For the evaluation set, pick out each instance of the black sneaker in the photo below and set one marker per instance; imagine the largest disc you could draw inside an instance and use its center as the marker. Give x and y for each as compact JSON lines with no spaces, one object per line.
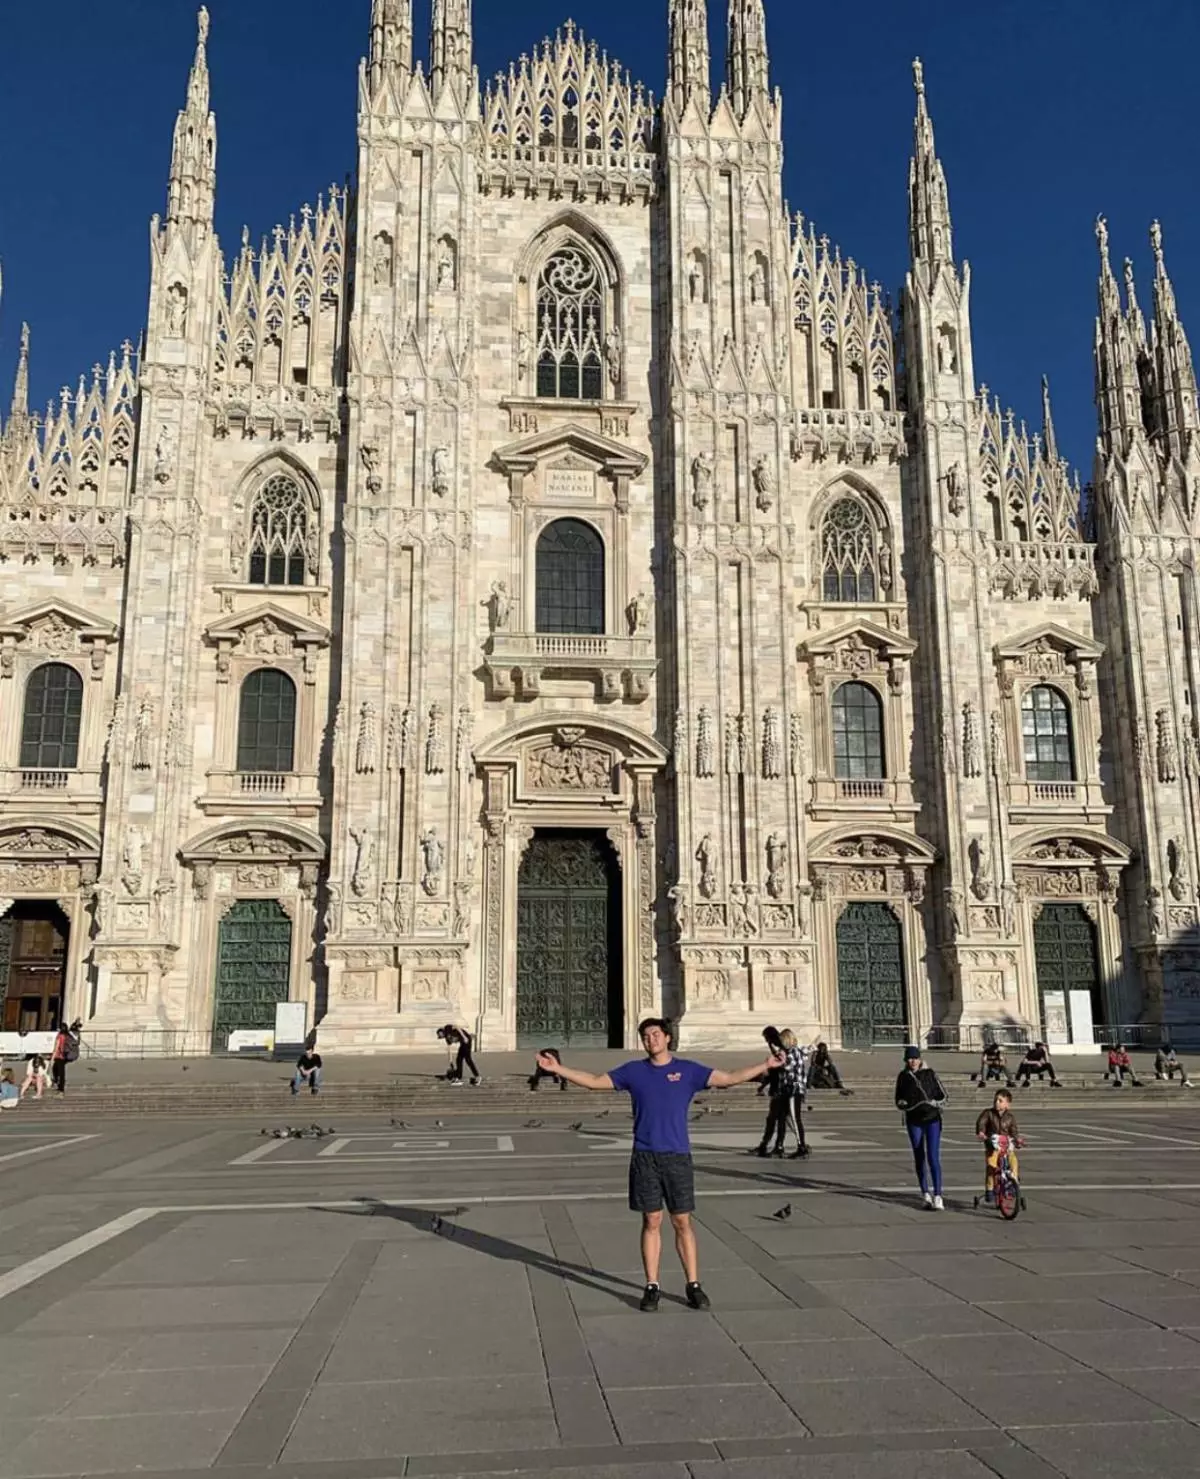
{"x":650,"y":1298}
{"x":762,"y":1151}
{"x":696,"y":1297}
{"x":799,"y":1154}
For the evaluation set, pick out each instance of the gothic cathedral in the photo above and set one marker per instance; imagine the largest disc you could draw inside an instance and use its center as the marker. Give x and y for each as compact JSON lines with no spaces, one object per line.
{"x":544,"y":585}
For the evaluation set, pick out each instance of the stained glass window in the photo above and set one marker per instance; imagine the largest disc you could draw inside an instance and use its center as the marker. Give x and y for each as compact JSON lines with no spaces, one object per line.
{"x":850,"y":553}
{"x":279,"y":533}
{"x":570,"y":328}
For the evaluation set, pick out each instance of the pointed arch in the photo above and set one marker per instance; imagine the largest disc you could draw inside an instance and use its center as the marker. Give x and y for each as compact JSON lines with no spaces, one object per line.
{"x":277,"y":524}
{"x":852,"y":543}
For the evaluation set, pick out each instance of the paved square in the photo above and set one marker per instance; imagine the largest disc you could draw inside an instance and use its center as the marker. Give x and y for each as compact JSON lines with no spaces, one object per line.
{"x":175,"y":1299}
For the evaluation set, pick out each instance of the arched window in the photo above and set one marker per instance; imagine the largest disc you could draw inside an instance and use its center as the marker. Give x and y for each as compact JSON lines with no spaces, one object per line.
{"x":1046,"y":732}
{"x":857,"y":733}
{"x":570,"y":578}
{"x":850,"y":554}
{"x":279,"y":533}
{"x":570,"y":327}
{"x":267,"y":722}
{"x":50,"y":728}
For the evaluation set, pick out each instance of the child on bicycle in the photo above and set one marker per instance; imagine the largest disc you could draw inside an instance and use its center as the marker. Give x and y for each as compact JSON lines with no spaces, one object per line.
{"x":999,"y":1120}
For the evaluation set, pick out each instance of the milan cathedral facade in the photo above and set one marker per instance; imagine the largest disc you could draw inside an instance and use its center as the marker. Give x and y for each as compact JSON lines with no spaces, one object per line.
{"x":544,"y":585}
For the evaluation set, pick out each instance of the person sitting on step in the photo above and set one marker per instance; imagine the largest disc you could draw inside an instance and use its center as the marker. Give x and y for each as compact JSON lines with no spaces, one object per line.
{"x":1037,"y":1060}
{"x":1167,"y":1065}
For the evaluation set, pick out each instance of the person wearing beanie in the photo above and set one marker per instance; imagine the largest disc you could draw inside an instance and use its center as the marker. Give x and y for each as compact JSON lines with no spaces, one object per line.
{"x":920,"y":1098}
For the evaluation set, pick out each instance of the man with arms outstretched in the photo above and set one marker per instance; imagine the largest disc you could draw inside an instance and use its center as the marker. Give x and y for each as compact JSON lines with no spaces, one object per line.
{"x":662,"y":1087}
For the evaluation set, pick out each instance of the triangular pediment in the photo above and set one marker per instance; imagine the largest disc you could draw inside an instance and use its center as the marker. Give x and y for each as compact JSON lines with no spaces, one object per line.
{"x":552,"y":446}
{"x":56,"y":613}
{"x":265,"y":619}
{"x":1051,"y":633}
{"x":864,"y":633}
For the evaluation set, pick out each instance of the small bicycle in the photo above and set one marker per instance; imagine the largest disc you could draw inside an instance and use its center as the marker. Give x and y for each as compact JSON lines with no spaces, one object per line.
{"x":1005,"y":1187}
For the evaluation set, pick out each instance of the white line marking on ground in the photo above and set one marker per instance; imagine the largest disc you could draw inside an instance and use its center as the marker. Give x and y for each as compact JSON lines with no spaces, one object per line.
{"x":1131,"y":1137}
{"x":259,"y":1153}
{"x":47,"y":1263}
{"x":16,"y":1155}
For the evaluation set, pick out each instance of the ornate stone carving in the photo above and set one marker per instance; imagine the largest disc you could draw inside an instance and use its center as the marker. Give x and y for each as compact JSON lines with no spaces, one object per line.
{"x":702,"y":480}
{"x":712,"y":988}
{"x":772,"y":745}
{"x":367,"y":749}
{"x":678,"y":900}
{"x":435,"y":741}
{"x":464,"y":735}
{"x":764,"y":485}
{"x":706,"y":857}
{"x":397,"y":738}
{"x":1155,"y":912}
{"x":440,"y":472}
{"x":1164,"y":747}
{"x":132,"y":858}
{"x":499,"y":607}
{"x":777,"y":857}
{"x":1179,"y":886}
{"x":999,"y":748}
{"x":981,"y":869}
{"x":638,"y":614}
{"x":142,"y":757}
{"x":372,"y":461}
{"x":742,"y":909}
{"x":956,"y":500}
{"x":433,"y":861}
{"x":362,"y":875}
{"x":954,"y":912}
{"x":797,"y":747}
{"x":972,"y":748}
{"x":567,"y":764}
{"x":706,"y":744}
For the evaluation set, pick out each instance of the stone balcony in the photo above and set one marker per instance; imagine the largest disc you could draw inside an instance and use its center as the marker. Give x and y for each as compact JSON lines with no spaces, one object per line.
{"x":21,"y":789}
{"x":519,"y":662}
{"x":831,"y":798}
{"x":850,"y":435}
{"x":1040,"y":801}
{"x":291,"y":793}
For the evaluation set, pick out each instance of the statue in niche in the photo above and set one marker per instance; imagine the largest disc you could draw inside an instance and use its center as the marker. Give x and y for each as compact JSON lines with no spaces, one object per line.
{"x":164,"y":453}
{"x":758,"y":282}
{"x":364,"y":860}
{"x":702,"y":480}
{"x":381,"y":261}
{"x":433,"y":858}
{"x":1180,"y":885}
{"x":614,"y":355}
{"x":371,"y":461}
{"x":524,"y":353}
{"x":764,"y":485}
{"x":954,"y":912}
{"x":947,"y":351}
{"x":981,"y":869}
{"x":885,"y":568}
{"x":741,"y":902}
{"x":445,"y":268}
{"x":177,"y":310}
{"x":637,"y":613}
{"x":499,"y":606}
{"x":706,"y":857}
{"x":777,"y":856}
{"x":441,"y":471}
{"x":1158,"y":915}
{"x":698,"y":280}
{"x":131,"y":857}
{"x":677,"y":894}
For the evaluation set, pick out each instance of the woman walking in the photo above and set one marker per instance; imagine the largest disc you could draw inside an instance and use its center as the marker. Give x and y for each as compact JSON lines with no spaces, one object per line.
{"x":920,"y":1097}
{"x":786,"y":1085}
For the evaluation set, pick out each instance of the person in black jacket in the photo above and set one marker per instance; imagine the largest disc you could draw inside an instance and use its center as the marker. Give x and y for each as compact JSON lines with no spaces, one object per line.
{"x":920,"y":1097}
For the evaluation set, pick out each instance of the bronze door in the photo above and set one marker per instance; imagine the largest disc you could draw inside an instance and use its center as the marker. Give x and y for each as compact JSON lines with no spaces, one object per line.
{"x":568,"y":946}
{"x":254,"y":968}
{"x":37,"y":970}
{"x":870,"y":952}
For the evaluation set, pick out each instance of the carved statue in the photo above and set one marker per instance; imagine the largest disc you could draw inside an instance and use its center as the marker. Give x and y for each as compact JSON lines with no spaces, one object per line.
{"x":702,"y":480}
{"x":381,"y":266}
{"x":614,"y":355}
{"x":433,"y":857}
{"x":679,"y":741}
{"x":758,"y":283}
{"x":679,"y":908}
{"x":697,"y":281}
{"x":131,"y":858}
{"x":772,"y":745}
{"x":1165,"y":747}
{"x":764,"y":485}
{"x":371,"y":461}
{"x":364,"y":861}
{"x":164,"y":453}
{"x":885,"y":567}
{"x":1179,"y":886}
{"x":777,"y":856}
{"x":955,"y":498}
{"x":1158,"y":915}
{"x":499,"y":606}
{"x":706,"y":744}
{"x":143,"y":737}
{"x":365,"y":753}
{"x":981,"y":869}
{"x":741,"y":902}
{"x":435,"y":742}
{"x":972,"y":748}
{"x":445,"y":268}
{"x":177,"y":310}
{"x":441,"y":471}
{"x":524,"y":353}
{"x":637,"y":613}
{"x":705,"y":856}
{"x":954,"y":912}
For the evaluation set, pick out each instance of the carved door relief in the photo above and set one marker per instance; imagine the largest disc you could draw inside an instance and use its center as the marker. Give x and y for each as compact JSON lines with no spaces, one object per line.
{"x":254,"y":953}
{"x":870,"y":968}
{"x":568,"y":943}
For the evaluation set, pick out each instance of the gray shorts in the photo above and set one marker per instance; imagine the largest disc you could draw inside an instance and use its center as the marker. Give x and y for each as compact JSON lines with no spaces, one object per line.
{"x":657,"y":1178}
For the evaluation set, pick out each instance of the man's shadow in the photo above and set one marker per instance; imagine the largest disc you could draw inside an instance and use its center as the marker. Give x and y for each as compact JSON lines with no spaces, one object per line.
{"x":790,"y":1181}
{"x":438,"y":1225}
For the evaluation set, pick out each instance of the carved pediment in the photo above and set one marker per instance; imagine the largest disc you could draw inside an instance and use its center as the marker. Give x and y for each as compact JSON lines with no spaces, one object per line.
{"x":569,"y":445}
{"x":1049,"y":848}
{"x":55,"y":626}
{"x":852,"y":846}
{"x":1047,"y":638}
{"x":34,"y":839}
{"x":858,"y":636}
{"x":277,"y":842}
{"x":267,"y":631}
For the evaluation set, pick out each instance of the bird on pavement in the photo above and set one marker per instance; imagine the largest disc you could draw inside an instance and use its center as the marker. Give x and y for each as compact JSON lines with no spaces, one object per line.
{"x":439,"y":1124}
{"x":783,"y":1213}
{"x":533,"y":1124}
{"x":400,"y":1124}
{"x":435,"y":1224}
{"x":604,"y":1114}
{"x":578,"y":1125}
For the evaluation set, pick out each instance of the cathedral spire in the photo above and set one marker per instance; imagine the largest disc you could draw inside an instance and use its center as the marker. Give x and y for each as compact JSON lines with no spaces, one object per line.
{"x":1049,"y":439}
{"x":747,"y":62}
{"x":1118,"y":382}
{"x":930,"y":231}
{"x":194,"y":155}
{"x":1133,"y":311}
{"x":452,"y":49}
{"x":1175,"y":375}
{"x":391,"y":41}
{"x":690,"y":63}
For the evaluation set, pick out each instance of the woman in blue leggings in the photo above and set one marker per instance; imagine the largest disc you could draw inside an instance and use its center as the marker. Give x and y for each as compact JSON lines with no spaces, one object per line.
{"x":919,"y":1097}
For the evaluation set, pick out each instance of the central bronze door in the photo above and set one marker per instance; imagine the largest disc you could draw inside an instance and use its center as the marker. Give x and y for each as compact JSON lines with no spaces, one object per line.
{"x":568,"y":943}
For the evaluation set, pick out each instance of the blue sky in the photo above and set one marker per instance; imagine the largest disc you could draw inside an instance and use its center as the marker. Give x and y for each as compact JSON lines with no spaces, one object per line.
{"x":1047,"y":111}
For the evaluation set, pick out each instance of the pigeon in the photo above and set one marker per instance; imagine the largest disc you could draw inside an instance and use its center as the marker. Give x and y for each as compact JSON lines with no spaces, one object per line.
{"x":783,"y":1213}
{"x":439,"y":1124}
{"x":604,"y":1114}
{"x":398,"y":1125}
{"x":578,"y":1125}
{"x":435,"y":1224}
{"x":276,"y":1134}
{"x":264,"y":1132}
{"x":533,"y":1124}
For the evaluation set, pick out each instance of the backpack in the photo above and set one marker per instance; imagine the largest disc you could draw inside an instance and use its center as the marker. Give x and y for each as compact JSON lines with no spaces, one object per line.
{"x":72,"y":1053}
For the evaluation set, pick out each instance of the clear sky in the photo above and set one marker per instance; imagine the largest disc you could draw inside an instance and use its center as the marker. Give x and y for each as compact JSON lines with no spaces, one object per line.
{"x":1047,"y":112}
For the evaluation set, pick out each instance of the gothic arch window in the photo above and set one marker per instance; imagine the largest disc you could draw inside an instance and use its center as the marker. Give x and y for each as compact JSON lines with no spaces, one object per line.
{"x":851,"y":545}
{"x":570,"y":307}
{"x":1046,"y":735}
{"x":282,"y":546}
{"x":50,"y":725}
{"x":267,"y":723}
{"x":570,"y":578}
{"x":857,"y":733}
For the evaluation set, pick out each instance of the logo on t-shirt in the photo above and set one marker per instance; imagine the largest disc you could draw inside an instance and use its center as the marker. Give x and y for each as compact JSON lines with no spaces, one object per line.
{"x":674,"y":1078}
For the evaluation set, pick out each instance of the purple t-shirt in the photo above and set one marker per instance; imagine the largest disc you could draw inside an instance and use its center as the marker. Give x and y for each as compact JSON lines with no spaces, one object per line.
{"x":661,"y":1097}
